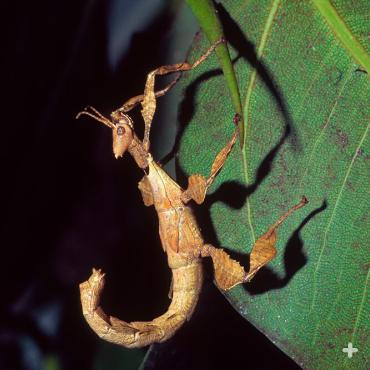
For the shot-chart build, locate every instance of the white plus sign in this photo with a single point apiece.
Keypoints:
(350, 350)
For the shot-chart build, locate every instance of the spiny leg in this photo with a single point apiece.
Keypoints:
(149, 99)
(198, 184)
(229, 273)
(134, 101)
(264, 249)
(221, 157)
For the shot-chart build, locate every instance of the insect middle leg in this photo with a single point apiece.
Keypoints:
(134, 101)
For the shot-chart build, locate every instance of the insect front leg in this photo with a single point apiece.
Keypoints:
(134, 101)
(198, 184)
(149, 98)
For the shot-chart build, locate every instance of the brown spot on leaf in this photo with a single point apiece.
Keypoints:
(331, 345)
(342, 332)
(365, 268)
(341, 138)
(331, 173)
(356, 245)
(350, 186)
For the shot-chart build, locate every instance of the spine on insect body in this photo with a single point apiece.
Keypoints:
(186, 285)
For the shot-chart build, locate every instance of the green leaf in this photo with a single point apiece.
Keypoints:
(344, 33)
(305, 101)
(206, 15)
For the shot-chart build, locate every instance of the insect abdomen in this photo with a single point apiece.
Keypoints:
(186, 285)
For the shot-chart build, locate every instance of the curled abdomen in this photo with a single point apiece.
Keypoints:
(187, 282)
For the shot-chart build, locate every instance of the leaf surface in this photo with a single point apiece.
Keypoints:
(305, 100)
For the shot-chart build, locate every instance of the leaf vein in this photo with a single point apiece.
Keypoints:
(247, 115)
(318, 263)
(321, 133)
(360, 308)
(338, 296)
(312, 82)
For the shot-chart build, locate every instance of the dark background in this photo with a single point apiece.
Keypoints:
(68, 205)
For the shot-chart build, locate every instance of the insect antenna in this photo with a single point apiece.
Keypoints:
(96, 115)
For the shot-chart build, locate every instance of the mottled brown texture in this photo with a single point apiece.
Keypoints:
(264, 249)
(179, 233)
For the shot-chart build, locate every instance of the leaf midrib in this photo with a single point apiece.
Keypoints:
(247, 116)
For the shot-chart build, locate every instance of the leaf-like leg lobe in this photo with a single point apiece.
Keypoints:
(229, 273)
(264, 249)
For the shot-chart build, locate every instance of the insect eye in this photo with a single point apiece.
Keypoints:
(120, 130)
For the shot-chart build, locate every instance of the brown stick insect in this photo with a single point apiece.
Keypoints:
(180, 236)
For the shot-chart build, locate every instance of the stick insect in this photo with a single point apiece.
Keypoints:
(180, 236)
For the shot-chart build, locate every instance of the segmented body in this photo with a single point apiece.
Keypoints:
(182, 241)
(178, 230)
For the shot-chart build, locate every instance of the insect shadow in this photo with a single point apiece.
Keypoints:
(294, 259)
(247, 51)
(235, 194)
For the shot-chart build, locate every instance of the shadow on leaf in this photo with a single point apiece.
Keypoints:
(246, 50)
(232, 193)
(294, 259)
